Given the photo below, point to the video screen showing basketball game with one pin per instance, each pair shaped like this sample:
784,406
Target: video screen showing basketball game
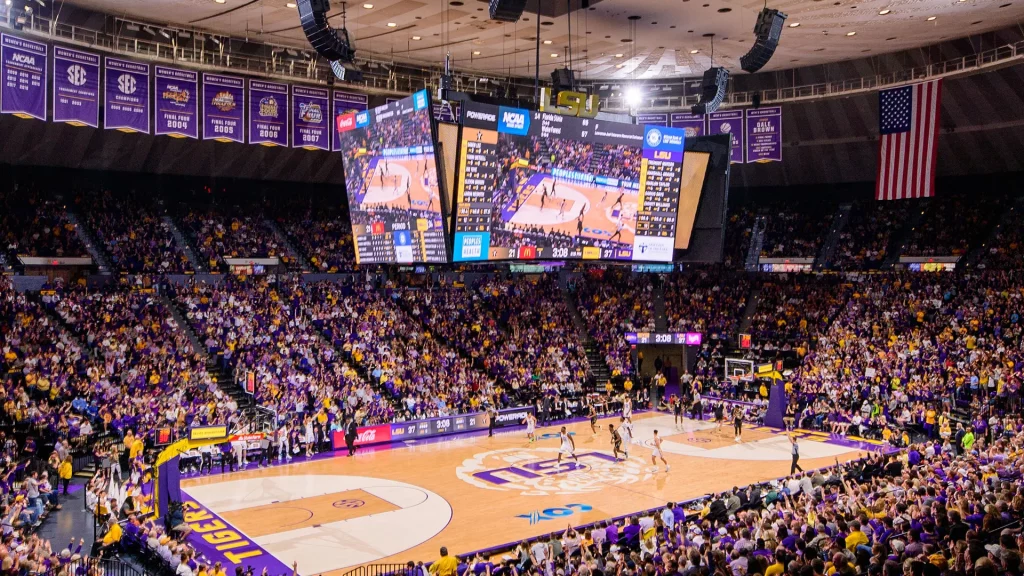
391,178
535,185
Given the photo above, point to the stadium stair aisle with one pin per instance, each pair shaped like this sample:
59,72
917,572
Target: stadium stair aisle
60,322
97,250
197,263
361,370
899,241
598,367
828,247
288,245
660,319
748,313
756,243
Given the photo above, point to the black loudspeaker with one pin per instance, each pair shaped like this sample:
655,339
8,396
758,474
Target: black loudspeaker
755,100
331,43
507,10
712,91
563,79
768,31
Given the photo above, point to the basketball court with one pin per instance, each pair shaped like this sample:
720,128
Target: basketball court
555,204
400,182
473,492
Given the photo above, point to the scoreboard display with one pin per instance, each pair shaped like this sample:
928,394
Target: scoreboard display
535,185
391,179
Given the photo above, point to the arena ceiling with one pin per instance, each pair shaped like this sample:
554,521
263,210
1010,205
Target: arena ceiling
671,38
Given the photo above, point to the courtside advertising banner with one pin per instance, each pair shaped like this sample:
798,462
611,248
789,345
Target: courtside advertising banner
76,87
764,134
730,122
126,101
346,103
177,102
268,113
223,108
310,121
23,69
419,429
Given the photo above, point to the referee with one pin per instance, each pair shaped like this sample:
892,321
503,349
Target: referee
492,416
796,455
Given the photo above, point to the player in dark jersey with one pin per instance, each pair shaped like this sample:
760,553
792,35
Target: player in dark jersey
616,442
618,202
408,192
593,417
618,231
677,407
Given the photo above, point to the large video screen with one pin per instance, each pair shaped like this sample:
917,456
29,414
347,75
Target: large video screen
391,178
695,168
535,185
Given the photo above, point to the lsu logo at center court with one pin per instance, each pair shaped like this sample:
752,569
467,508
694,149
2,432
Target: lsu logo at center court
534,472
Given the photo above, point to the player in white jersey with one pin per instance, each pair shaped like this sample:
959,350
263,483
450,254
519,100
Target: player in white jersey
531,426
568,447
627,407
657,454
626,433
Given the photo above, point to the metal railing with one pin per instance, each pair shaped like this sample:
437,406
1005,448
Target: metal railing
90,566
386,570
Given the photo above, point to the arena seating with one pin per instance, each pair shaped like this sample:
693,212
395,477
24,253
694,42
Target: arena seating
34,223
865,241
612,304
133,232
708,301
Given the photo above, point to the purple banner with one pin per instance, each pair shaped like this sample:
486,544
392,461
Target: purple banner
23,69
268,113
76,87
652,119
223,108
126,106
764,134
346,103
310,121
730,122
177,102
694,124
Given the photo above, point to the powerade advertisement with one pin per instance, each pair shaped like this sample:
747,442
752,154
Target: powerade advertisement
419,429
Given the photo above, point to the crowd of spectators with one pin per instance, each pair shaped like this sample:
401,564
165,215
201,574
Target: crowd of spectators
1006,251
796,231
709,301
794,308
218,235
323,234
34,223
739,227
613,303
955,223
864,241
133,232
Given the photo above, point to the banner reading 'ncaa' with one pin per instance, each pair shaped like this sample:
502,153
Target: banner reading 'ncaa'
310,121
177,102
126,89
76,87
223,108
23,77
268,113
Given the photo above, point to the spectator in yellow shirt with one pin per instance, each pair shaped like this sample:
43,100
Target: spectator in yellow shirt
445,565
856,537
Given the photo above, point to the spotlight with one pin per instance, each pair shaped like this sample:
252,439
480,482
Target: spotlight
768,30
331,43
165,34
633,96
712,91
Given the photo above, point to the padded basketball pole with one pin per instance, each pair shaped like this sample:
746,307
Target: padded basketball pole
536,66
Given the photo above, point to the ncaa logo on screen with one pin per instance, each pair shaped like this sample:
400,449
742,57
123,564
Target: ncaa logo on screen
126,84
514,121
653,137
76,75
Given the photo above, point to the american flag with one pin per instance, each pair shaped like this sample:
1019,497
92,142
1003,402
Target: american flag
908,122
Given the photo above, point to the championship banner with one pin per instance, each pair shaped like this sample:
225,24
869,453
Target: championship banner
268,113
76,87
730,122
694,124
223,108
346,103
23,68
177,103
310,125
126,105
652,119
764,134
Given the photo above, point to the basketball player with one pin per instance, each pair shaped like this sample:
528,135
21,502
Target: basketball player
618,230
618,202
561,209
568,447
719,415
579,223
677,407
408,192
593,417
737,423
616,442
531,426
656,454
553,182
626,433
627,406
542,197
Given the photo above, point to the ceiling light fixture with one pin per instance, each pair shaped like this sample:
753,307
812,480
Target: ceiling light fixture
794,25
619,55
392,24
165,34
851,33
694,51
290,5
547,41
476,52
220,1
416,38
930,18
215,40
554,55
633,96
368,6
884,12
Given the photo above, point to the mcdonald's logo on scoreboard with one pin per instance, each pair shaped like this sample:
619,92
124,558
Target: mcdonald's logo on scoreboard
527,252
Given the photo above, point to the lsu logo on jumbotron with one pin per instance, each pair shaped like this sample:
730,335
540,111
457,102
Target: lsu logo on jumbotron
535,472
310,113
